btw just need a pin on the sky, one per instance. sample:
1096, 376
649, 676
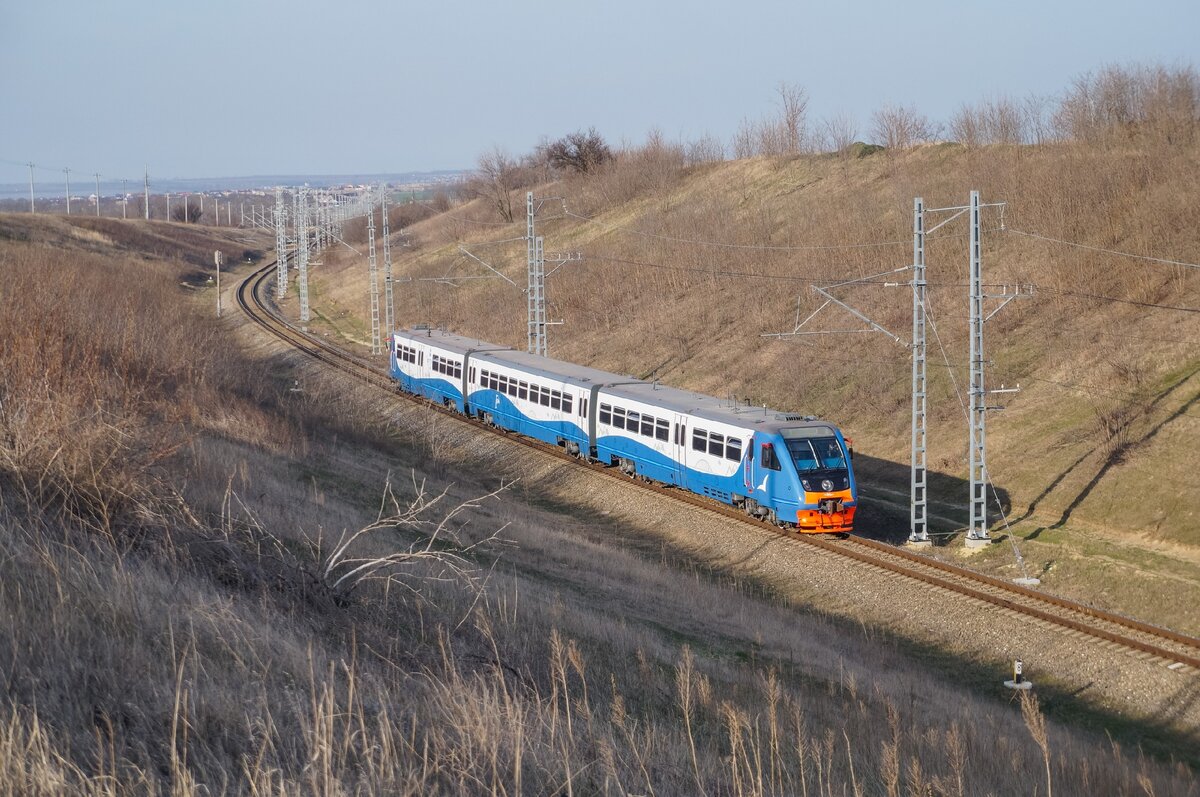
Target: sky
215, 88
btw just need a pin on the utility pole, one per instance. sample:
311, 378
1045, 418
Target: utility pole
31, 208
302, 250
281, 264
147, 195
124, 198
389, 310
185, 208
536, 292
67, 172
978, 531
376, 346
918, 531
168, 206
97, 194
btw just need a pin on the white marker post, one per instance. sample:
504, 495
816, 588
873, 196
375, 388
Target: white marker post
1019, 681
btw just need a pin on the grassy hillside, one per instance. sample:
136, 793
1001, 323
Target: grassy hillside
172, 496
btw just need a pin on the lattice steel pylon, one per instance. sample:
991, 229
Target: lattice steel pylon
918, 531
302, 251
978, 410
536, 293
373, 269
389, 309
281, 267
537, 299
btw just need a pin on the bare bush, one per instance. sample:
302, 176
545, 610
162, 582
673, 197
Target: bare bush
900, 127
498, 175
784, 134
997, 121
189, 213
1120, 103
579, 152
438, 554
839, 132
706, 149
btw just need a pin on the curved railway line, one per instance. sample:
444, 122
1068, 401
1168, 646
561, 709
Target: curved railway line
1166, 647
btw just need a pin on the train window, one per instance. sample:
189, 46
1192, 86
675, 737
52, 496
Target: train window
421, 358
699, 440
523, 390
458, 370
631, 421
648, 425
583, 406
472, 374
618, 417
503, 386
555, 401
661, 430
566, 404
716, 444
733, 449
769, 460
544, 397
606, 414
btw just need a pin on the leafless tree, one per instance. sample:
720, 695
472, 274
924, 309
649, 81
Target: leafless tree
498, 175
839, 132
579, 152
706, 149
901, 127
966, 126
793, 118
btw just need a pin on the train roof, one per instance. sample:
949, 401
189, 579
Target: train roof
629, 387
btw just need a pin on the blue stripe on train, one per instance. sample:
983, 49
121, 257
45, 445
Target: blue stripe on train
650, 463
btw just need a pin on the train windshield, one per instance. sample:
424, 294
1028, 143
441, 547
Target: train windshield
816, 453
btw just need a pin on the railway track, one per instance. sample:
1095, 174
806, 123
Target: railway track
1168, 648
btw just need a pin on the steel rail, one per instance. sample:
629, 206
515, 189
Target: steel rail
970, 584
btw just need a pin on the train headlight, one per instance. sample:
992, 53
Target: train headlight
807, 487
827, 485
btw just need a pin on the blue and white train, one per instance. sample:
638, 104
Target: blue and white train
787, 469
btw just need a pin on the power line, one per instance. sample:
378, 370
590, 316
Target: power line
1102, 249
1098, 297
806, 280
725, 245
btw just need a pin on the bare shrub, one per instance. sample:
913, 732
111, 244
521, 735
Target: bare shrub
497, 176
706, 149
439, 553
1120, 103
579, 152
966, 126
996, 121
839, 132
784, 134
900, 127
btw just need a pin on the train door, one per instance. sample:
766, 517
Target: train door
748, 467
679, 449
